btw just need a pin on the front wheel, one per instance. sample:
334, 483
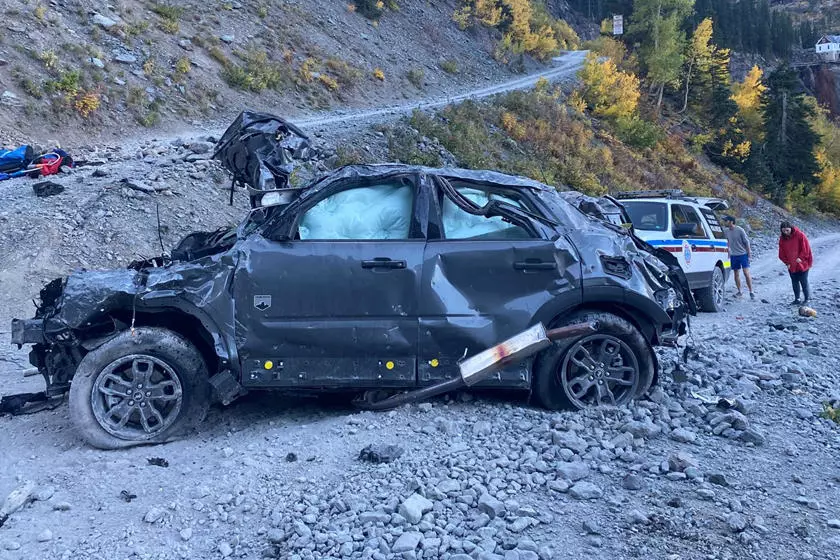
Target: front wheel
711, 298
610, 367
142, 388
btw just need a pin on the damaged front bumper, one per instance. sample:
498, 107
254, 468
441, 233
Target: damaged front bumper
27, 331
54, 351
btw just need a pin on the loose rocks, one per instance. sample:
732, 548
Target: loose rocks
407, 542
585, 491
414, 507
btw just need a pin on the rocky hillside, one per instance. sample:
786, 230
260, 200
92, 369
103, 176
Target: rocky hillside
809, 9
88, 70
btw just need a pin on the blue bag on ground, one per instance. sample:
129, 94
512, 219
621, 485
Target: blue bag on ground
15, 160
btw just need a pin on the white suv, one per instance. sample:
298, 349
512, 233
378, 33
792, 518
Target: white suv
686, 226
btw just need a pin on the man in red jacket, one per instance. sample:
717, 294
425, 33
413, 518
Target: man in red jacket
795, 252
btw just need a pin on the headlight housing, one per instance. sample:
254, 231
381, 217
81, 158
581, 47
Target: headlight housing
668, 299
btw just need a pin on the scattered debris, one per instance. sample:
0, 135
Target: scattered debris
28, 403
291, 457
154, 515
47, 188
22, 162
127, 496
380, 453
158, 461
806, 311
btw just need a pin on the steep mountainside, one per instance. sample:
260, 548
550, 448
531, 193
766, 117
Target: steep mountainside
89, 69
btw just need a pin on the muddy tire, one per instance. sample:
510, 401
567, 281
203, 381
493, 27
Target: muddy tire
146, 388
610, 367
711, 298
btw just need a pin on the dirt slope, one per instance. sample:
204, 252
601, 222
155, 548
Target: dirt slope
181, 63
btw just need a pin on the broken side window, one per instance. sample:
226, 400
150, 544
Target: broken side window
686, 222
459, 224
379, 211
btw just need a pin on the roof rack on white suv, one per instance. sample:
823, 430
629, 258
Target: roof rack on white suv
712, 202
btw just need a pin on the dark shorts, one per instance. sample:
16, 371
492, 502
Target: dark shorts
737, 262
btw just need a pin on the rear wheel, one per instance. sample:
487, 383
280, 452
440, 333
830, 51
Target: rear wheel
145, 388
711, 298
609, 367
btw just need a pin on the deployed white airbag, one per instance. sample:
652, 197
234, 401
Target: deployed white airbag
375, 212
458, 224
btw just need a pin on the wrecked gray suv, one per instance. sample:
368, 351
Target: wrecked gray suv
372, 279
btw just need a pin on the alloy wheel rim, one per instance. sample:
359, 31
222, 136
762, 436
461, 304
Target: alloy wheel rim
717, 286
598, 370
136, 397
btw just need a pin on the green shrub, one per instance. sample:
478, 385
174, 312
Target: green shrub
257, 73
344, 73
415, 76
403, 146
830, 413
371, 9
68, 83
637, 132
450, 66
169, 15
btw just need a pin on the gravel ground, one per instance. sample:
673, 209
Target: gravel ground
674, 476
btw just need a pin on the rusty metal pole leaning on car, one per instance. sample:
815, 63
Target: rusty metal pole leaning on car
481, 366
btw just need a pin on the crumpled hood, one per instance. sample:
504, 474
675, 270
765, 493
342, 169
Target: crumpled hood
87, 294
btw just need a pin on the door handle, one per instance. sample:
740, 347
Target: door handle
383, 262
534, 264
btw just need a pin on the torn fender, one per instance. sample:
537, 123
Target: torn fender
90, 302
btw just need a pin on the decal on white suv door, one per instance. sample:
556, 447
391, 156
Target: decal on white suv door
686, 251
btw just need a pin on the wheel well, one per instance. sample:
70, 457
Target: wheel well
634, 316
186, 325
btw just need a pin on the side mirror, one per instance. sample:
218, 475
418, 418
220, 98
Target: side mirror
683, 230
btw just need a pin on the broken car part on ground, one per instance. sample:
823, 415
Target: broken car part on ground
372, 279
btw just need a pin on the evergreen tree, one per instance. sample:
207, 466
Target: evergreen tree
729, 146
763, 38
790, 140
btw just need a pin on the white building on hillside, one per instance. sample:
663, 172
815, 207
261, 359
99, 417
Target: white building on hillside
828, 47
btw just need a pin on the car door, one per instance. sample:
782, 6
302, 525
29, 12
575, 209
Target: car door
697, 254
484, 280
719, 242
333, 301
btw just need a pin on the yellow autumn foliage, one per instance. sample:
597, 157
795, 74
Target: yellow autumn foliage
512, 125
827, 154
527, 26
747, 95
608, 92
